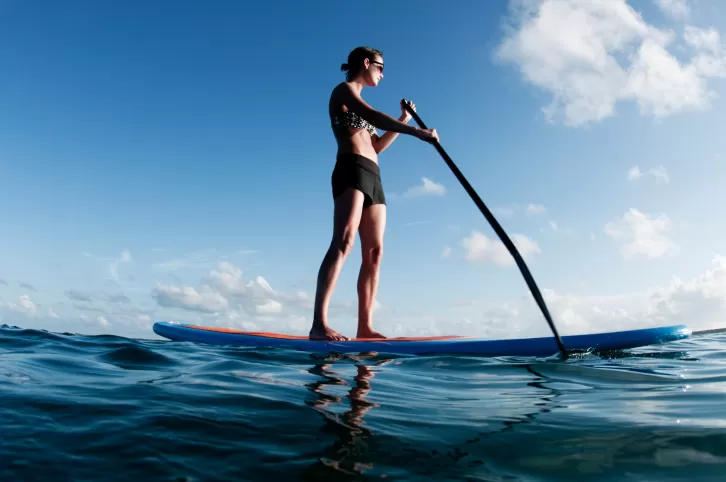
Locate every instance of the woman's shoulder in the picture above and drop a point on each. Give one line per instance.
(338, 94)
(341, 87)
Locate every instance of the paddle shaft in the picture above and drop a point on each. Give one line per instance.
(497, 228)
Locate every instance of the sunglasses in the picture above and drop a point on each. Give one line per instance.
(379, 64)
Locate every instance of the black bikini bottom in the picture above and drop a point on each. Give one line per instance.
(358, 172)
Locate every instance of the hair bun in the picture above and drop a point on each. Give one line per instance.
(344, 67)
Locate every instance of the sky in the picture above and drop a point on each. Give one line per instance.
(172, 161)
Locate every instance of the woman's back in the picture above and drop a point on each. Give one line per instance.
(352, 132)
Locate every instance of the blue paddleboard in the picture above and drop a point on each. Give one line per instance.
(434, 345)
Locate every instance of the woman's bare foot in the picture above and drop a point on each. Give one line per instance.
(325, 333)
(368, 333)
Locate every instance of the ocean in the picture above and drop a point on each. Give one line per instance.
(75, 407)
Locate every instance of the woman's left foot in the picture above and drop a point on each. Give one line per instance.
(369, 334)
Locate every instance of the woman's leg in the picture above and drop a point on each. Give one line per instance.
(347, 215)
(371, 229)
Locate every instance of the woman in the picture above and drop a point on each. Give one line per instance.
(360, 204)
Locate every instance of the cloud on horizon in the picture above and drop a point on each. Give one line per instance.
(225, 299)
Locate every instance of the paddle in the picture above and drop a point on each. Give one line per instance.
(500, 232)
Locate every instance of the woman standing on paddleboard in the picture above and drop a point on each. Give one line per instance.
(360, 205)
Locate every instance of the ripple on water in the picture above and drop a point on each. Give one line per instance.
(108, 408)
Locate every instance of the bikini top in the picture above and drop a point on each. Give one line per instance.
(351, 119)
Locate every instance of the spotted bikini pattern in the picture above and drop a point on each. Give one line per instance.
(351, 119)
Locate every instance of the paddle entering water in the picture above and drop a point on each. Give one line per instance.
(496, 226)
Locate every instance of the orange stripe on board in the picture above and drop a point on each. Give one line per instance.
(283, 336)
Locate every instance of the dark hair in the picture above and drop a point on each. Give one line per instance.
(356, 58)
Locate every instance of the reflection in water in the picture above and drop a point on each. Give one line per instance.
(350, 455)
(348, 452)
(497, 420)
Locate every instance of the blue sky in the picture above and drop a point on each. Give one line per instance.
(163, 161)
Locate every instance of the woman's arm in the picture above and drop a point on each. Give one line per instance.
(381, 143)
(382, 121)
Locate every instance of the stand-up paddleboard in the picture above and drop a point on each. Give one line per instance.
(434, 345)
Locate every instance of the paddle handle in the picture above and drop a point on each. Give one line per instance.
(497, 228)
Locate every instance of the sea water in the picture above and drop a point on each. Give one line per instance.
(76, 407)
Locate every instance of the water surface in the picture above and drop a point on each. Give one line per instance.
(109, 408)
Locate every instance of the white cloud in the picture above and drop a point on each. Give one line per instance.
(677, 9)
(644, 235)
(480, 247)
(255, 296)
(206, 300)
(699, 303)
(113, 265)
(27, 314)
(226, 298)
(634, 173)
(269, 307)
(660, 173)
(24, 305)
(535, 209)
(227, 279)
(590, 55)
(708, 42)
(446, 252)
(3, 281)
(427, 188)
(225, 291)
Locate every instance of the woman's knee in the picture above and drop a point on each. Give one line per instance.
(343, 242)
(373, 254)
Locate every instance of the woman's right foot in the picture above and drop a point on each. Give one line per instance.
(325, 333)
